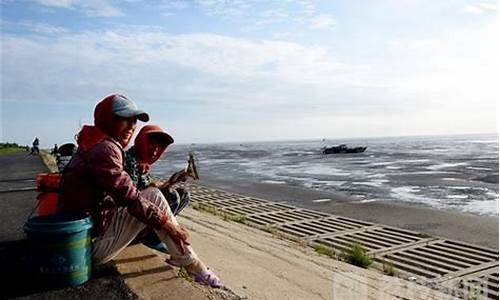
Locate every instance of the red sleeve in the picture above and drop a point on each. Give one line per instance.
(106, 166)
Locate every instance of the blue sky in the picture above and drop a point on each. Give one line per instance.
(222, 70)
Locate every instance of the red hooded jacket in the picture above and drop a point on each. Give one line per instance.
(95, 181)
(142, 142)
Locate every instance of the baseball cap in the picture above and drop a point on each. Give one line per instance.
(124, 107)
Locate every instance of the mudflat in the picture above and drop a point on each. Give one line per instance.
(474, 229)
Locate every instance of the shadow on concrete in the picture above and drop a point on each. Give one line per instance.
(19, 283)
(133, 259)
(147, 272)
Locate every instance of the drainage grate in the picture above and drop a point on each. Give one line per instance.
(315, 228)
(257, 209)
(439, 259)
(480, 283)
(280, 217)
(375, 240)
(435, 262)
(214, 197)
(242, 201)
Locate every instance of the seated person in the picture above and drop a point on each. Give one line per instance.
(95, 183)
(149, 145)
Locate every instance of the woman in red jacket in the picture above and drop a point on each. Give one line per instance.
(96, 183)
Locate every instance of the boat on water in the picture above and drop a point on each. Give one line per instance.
(343, 149)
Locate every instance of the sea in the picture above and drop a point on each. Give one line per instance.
(455, 172)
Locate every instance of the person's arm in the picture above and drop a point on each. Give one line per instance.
(107, 169)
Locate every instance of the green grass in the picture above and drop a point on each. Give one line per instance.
(235, 218)
(214, 211)
(6, 148)
(357, 255)
(388, 268)
(182, 273)
(324, 250)
(269, 228)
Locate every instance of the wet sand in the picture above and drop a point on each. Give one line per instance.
(475, 229)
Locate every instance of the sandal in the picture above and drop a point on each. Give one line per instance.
(208, 277)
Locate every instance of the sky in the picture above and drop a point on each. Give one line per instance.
(252, 70)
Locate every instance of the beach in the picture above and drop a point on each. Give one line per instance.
(475, 229)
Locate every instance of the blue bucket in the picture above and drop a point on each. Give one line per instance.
(60, 248)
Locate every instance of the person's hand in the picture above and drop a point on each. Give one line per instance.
(157, 184)
(179, 235)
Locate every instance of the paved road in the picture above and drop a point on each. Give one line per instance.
(17, 194)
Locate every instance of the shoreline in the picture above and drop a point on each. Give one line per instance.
(474, 229)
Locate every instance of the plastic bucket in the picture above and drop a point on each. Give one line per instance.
(60, 248)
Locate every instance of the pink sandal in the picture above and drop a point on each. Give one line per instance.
(208, 277)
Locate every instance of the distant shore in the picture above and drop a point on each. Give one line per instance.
(475, 229)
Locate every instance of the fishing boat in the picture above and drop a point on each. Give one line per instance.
(343, 149)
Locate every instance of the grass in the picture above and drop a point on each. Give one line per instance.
(388, 268)
(357, 255)
(269, 228)
(235, 218)
(49, 160)
(324, 250)
(225, 216)
(182, 273)
(6, 148)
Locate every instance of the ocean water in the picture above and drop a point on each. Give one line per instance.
(457, 173)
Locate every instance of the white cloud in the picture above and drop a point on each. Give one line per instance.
(224, 8)
(58, 3)
(92, 8)
(39, 28)
(323, 21)
(480, 8)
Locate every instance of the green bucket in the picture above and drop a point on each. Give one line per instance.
(60, 248)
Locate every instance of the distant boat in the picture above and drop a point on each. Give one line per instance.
(343, 149)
